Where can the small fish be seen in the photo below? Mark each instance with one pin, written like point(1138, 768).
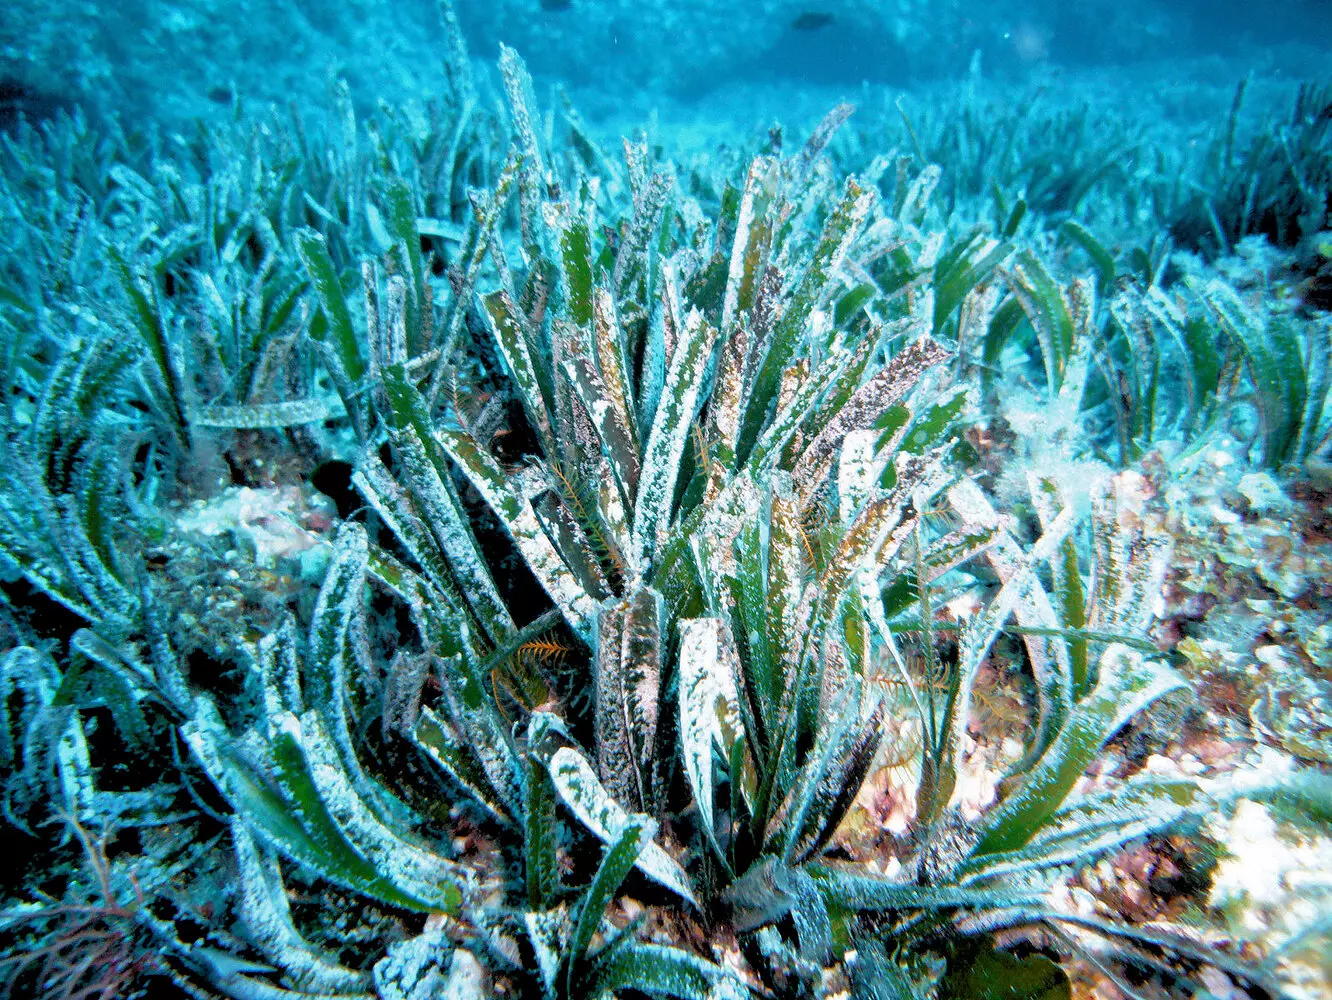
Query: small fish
point(812, 20)
point(556, 5)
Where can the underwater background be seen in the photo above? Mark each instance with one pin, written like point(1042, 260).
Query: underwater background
point(589, 499)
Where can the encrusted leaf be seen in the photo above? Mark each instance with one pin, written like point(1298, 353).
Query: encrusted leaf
point(294, 820)
point(508, 326)
point(860, 465)
point(482, 233)
point(267, 919)
point(418, 968)
point(548, 931)
point(610, 417)
point(532, 172)
point(292, 413)
point(842, 227)
point(849, 890)
point(514, 507)
point(484, 733)
point(884, 389)
point(407, 865)
point(587, 798)
point(1023, 597)
point(670, 430)
point(628, 683)
point(786, 616)
point(336, 630)
point(405, 514)
point(426, 472)
point(830, 784)
point(812, 400)
point(773, 889)
point(752, 236)
point(1129, 558)
point(437, 741)
point(614, 368)
point(49, 759)
point(708, 709)
point(1047, 499)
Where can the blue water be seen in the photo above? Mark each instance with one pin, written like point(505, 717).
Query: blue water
point(167, 61)
point(217, 215)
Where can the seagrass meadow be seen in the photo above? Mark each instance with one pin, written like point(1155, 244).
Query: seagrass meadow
point(488, 521)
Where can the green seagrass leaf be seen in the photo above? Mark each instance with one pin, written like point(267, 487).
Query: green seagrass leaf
point(575, 238)
point(1041, 299)
point(1091, 825)
point(540, 831)
point(1128, 684)
point(960, 269)
point(1101, 258)
point(616, 863)
point(400, 215)
point(146, 318)
point(313, 251)
point(1272, 355)
point(760, 679)
point(994, 974)
point(842, 227)
point(435, 505)
point(658, 970)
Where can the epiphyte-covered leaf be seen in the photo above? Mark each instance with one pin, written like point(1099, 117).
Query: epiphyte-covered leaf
point(581, 790)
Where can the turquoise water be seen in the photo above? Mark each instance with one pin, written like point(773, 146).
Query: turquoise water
point(555, 498)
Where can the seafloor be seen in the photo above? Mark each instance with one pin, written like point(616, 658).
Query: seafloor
point(704, 503)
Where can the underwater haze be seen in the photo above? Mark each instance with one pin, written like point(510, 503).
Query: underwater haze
point(154, 60)
point(589, 499)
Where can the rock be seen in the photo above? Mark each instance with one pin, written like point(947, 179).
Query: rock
point(1264, 493)
point(265, 524)
point(412, 969)
point(466, 978)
